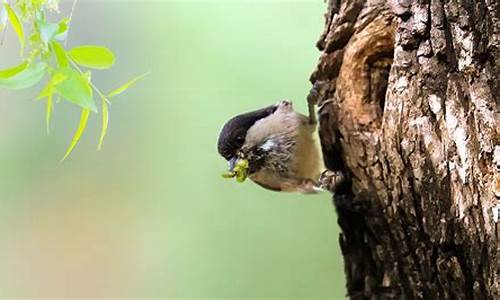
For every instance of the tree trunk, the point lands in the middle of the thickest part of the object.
(408, 96)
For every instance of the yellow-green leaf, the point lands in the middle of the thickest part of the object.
(60, 53)
(49, 88)
(7, 73)
(63, 25)
(44, 92)
(84, 117)
(16, 24)
(105, 119)
(124, 87)
(96, 57)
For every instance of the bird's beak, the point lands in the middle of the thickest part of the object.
(238, 167)
(232, 163)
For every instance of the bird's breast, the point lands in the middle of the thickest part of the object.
(288, 153)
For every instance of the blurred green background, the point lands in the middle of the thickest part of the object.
(149, 215)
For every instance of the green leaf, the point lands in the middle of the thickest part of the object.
(7, 73)
(26, 78)
(124, 87)
(60, 53)
(16, 24)
(105, 119)
(84, 117)
(76, 89)
(95, 57)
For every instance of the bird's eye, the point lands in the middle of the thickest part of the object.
(240, 138)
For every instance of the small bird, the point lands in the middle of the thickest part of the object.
(274, 147)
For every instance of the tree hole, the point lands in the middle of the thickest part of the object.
(379, 70)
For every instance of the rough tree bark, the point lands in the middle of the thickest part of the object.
(408, 93)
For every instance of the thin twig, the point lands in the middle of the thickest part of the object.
(69, 22)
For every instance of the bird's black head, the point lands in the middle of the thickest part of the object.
(232, 135)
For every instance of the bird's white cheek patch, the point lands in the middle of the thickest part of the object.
(268, 145)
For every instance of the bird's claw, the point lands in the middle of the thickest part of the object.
(331, 180)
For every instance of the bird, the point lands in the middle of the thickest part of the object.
(275, 147)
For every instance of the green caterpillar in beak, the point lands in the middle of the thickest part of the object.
(240, 171)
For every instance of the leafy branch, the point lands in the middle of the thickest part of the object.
(47, 58)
